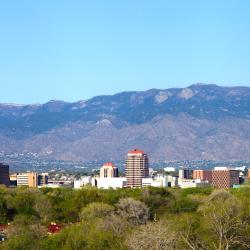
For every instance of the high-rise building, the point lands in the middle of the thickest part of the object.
(136, 167)
(108, 170)
(225, 178)
(204, 175)
(4, 174)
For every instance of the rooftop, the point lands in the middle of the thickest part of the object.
(109, 164)
(136, 152)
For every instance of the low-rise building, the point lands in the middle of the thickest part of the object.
(13, 180)
(205, 175)
(190, 183)
(55, 184)
(86, 180)
(154, 182)
(30, 179)
(107, 182)
(169, 169)
(185, 173)
(43, 179)
(225, 178)
(27, 179)
(172, 181)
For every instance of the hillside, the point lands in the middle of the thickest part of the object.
(198, 122)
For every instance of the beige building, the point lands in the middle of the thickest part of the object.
(27, 179)
(136, 167)
(108, 170)
(30, 179)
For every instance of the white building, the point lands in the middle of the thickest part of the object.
(222, 168)
(151, 182)
(172, 181)
(109, 182)
(190, 183)
(185, 173)
(83, 181)
(151, 172)
(158, 181)
(169, 169)
(241, 169)
(54, 185)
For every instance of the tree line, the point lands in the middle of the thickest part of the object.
(129, 219)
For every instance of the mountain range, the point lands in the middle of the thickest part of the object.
(202, 121)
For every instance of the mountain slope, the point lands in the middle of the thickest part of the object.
(198, 122)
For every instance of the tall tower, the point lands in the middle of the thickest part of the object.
(136, 167)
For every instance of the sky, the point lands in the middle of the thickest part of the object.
(74, 50)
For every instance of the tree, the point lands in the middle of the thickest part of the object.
(23, 201)
(189, 231)
(23, 235)
(96, 210)
(88, 236)
(136, 212)
(153, 236)
(43, 207)
(115, 223)
(224, 223)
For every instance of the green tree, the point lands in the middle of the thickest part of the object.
(224, 223)
(96, 210)
(23, 201)
(24, 235)
(43, 207)
(189, 231)
(84, 236)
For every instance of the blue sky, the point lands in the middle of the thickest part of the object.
(73, 50)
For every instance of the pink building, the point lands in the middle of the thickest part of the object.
(204, 175)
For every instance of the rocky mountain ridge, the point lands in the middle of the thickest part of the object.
(198, 122)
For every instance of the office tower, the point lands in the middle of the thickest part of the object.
(27, 179)
(204, 175)
(225, 178)
(136, 167)
(108, 170)
(4, 174)
(185, 173)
